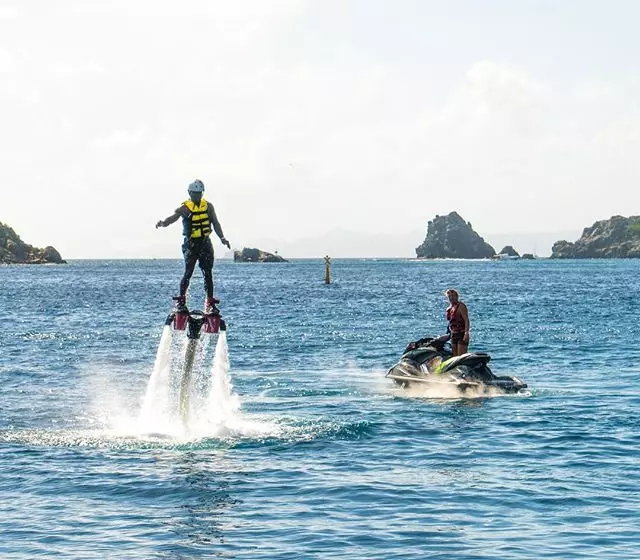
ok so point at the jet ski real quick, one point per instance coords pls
(429, 361)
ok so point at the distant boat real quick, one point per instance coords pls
(505, 257)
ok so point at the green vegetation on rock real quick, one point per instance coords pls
(635, 229)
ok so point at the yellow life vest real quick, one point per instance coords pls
(200, 225)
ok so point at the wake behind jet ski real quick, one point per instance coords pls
(194, 322)
(429, 361)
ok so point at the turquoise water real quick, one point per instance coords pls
(325, 458)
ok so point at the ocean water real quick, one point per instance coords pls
(300, 448)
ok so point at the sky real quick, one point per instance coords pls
(325, 126)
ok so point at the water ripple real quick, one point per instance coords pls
(325, 459)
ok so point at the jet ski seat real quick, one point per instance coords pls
(470, 359)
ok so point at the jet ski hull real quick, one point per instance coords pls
(417, 367)
(506, 385)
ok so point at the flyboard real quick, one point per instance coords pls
(194, 323)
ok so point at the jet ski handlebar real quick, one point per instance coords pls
(437, 342)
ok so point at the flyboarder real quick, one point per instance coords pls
(198, 217)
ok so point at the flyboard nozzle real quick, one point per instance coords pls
(194, 323)
(212, 322)
(180, 320)
(180, 314)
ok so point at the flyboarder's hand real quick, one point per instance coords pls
(465, 338)
(160, 224)
(225, 242)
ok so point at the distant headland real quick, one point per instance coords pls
(15, 251)
(615, 238)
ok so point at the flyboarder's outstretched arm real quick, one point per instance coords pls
(216, 226)
(171, 219)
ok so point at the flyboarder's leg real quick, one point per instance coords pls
(206, 265)
(189, 250)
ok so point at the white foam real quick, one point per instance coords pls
(155, 398)
(214, 408)
(222, 403)
(447, 390)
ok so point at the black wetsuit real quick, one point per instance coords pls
(198, 250)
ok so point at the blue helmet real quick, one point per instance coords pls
(196, 186)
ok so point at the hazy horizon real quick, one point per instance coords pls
(337, 245)
(305, 119)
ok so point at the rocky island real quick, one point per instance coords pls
(15, 251)
(450, 237)
(615, 238)
(509, 251)
(256, 255)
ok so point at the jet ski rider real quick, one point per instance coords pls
(198, 217)
(458, 318)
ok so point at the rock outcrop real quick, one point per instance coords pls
(510, 251)
(617, 237)
(528, 256)
(15, 251)
(450, 237)
(256, 255)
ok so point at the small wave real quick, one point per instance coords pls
(296, 431)
(49, 336)
(246, 430)
(131, 433)
(80, 438)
